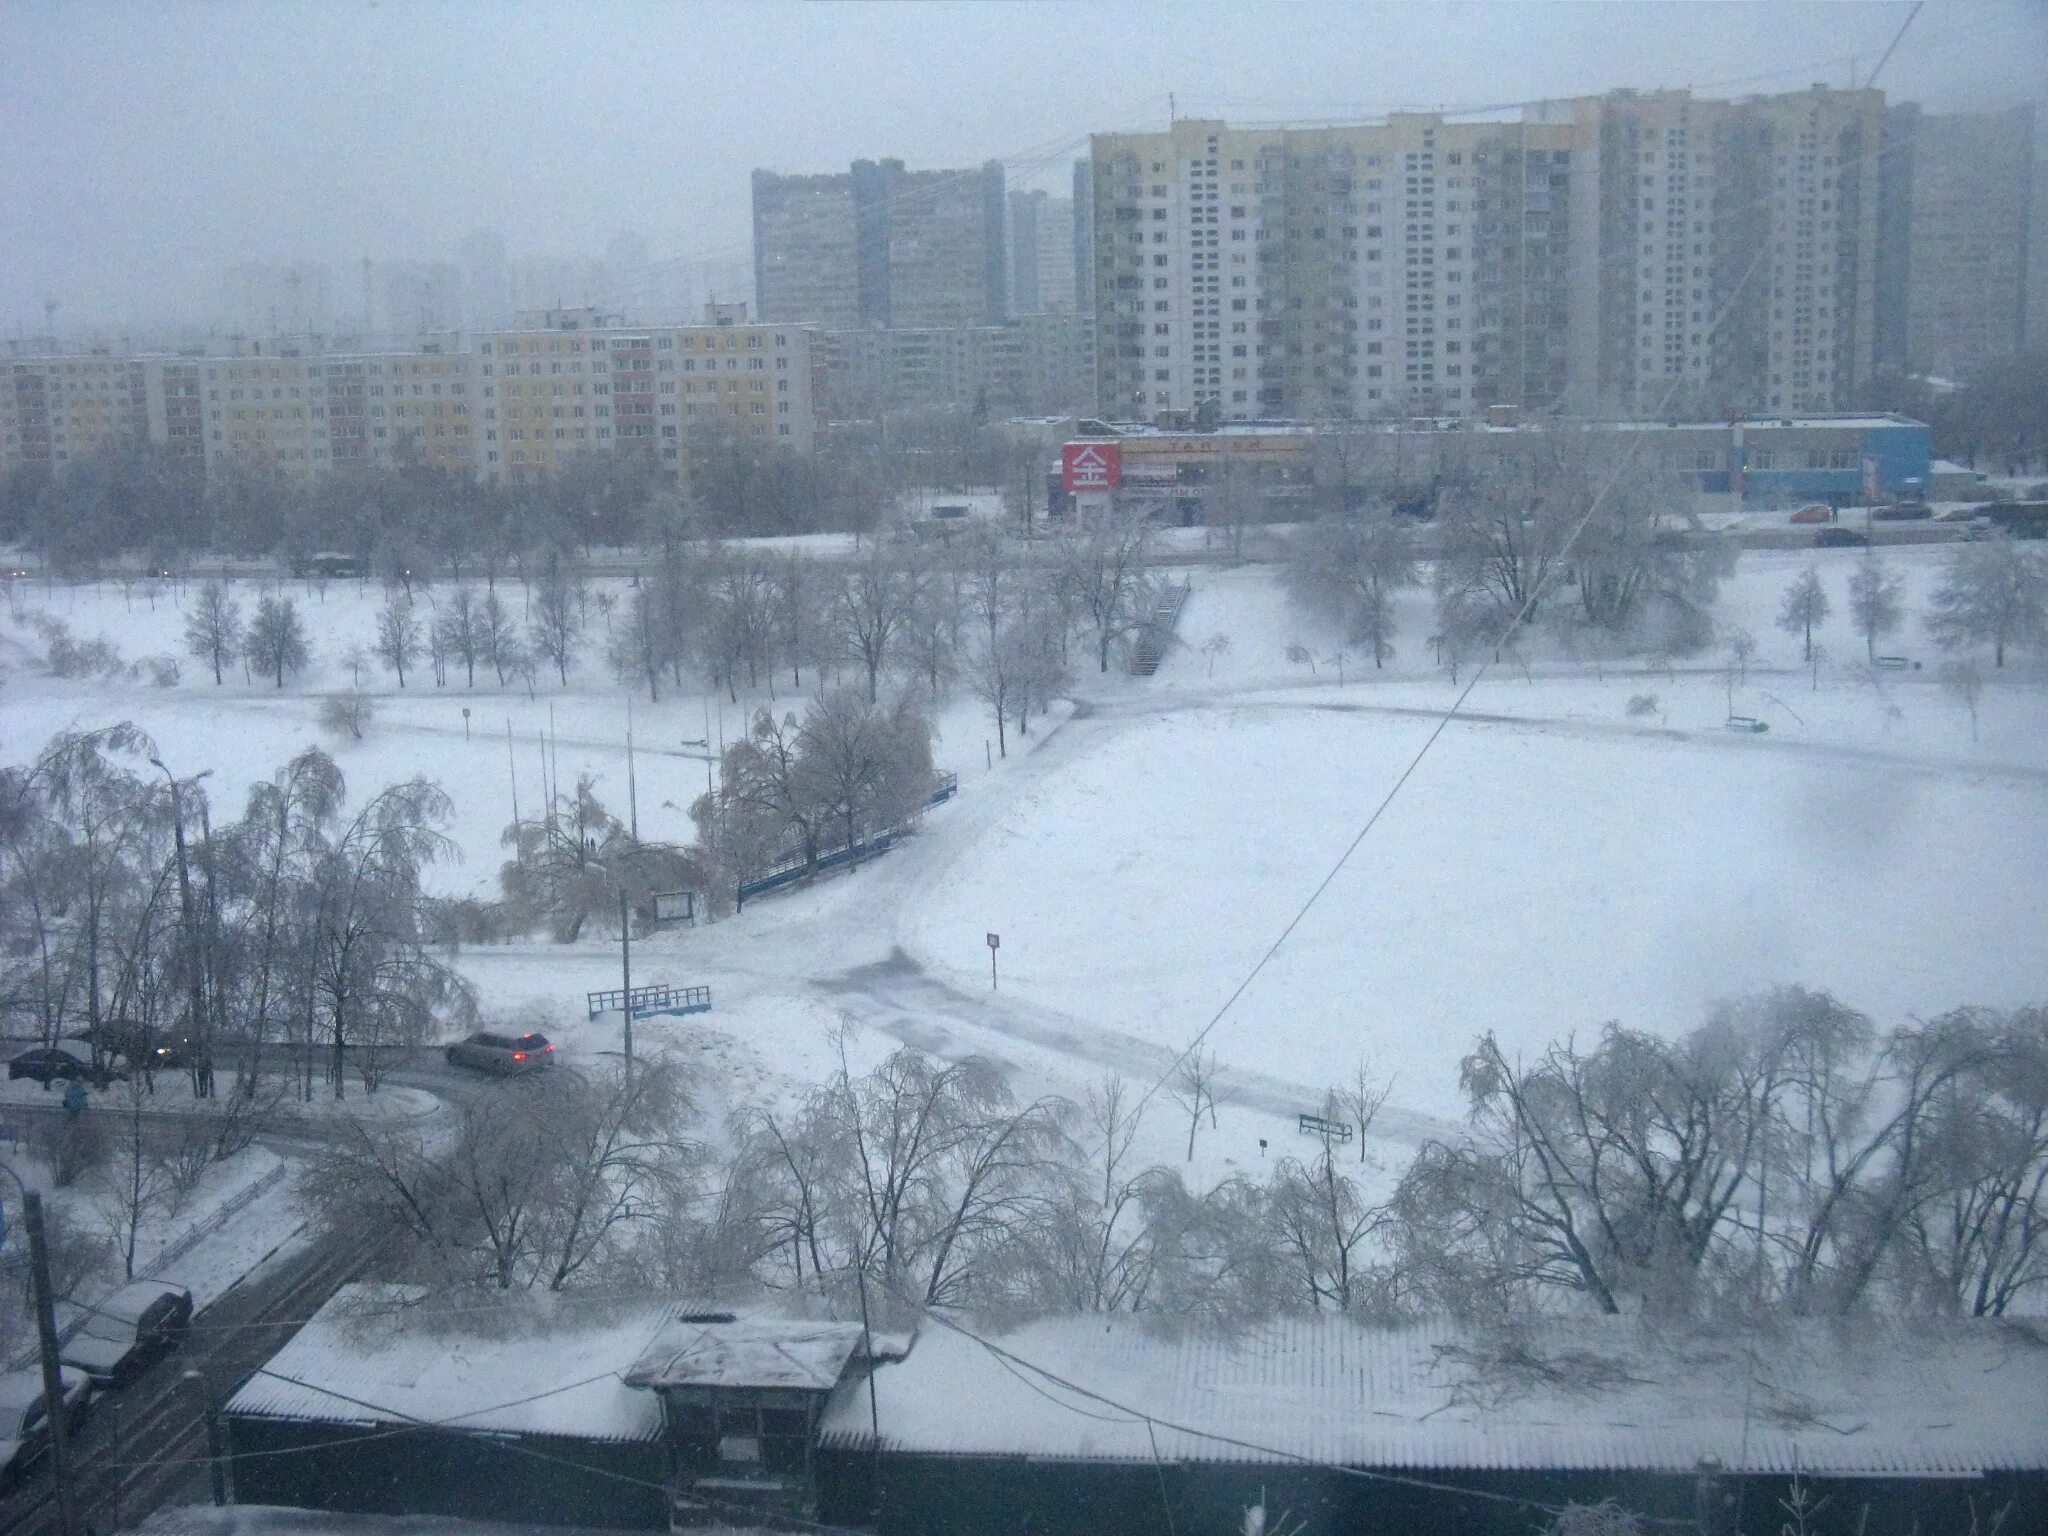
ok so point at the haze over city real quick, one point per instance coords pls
(150, 146)
(1486, 979)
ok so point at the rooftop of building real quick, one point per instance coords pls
(1449, 424)
(1820, 1397)
(392, 1354)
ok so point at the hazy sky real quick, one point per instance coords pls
(143, 146)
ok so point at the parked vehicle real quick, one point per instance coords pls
(48, 1064)
(1839, 538)
(1902, 512)
(505, 1055)
(1961, 515)
(119, 1335)
(24, 1420)
(1748, 725)
(1819, 512)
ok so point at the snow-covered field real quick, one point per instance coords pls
(1549, 863)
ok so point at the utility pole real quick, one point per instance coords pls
(216, 1437)
(53, 1375)
(632, 784)
(626, 971)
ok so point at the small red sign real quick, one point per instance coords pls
(1091, 466)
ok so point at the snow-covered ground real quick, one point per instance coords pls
(1552, 861)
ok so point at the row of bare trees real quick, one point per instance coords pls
(1787, 1153)
(128, 919)
(1564, 530)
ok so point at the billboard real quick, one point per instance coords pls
(1091, 467)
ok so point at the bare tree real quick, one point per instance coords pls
(1194, 1089)
(1102, 565)
(1346, 570)
(1805, 606)
(864, 768)
(497, 638)
(276, 644)
(1876, 601)
(347, 714)
(213, 634)
(1361, 1098)
(557, 624)
(398, 634)
(870, 607)
(460, 632)
(1964, 681)
(1992, 591)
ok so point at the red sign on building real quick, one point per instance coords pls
(1091, 466)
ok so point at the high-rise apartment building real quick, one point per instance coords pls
(1958, 238)
(415, 298)
(882, 246)
(1736, 259)
(1614, 254)
(1362, 271)
(1041, 253)
(1084, 236)
(278, 299)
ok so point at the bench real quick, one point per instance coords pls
(1328, 1130)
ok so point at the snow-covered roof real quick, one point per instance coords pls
(1859, 1398)
(747, 1352)
(386, 1354)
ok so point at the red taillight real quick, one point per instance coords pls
(519, 1055)
(551, 1048)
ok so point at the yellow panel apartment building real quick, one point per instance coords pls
(572, 382)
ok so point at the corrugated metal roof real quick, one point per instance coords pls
(388, 1355)
(747, 1352)
(1857, 1398)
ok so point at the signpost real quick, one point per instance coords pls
(995, 942)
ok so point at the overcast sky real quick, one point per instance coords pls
(144, 146)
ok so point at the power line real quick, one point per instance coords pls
(1633, 442)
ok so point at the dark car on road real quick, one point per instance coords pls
(48, 1064)
(120, 1334)
(505, 1055)
(25, 1421)
(1902, 512)
(1839, 538)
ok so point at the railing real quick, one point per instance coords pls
(1156, 632)
(187, 1240)
(652, 1000)
(795, 865)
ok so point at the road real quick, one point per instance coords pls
(147, 1440)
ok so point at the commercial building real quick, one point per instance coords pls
(881, 245)
(1287, 470)
(1620, 254)
(1958, 239)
